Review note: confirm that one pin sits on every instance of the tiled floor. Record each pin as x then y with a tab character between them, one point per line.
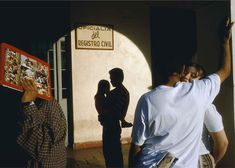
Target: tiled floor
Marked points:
91	158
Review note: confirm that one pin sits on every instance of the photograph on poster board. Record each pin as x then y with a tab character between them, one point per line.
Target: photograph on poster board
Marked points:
11	68
28	68
17	65
41	79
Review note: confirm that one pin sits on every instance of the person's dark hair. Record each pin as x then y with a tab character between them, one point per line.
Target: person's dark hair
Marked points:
199	68
102	86
117	73
167	69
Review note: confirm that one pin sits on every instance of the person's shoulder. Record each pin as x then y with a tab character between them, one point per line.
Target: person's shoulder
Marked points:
212	115
183	84
212	109
121	88
113	91
125	91
213	76
52	100
212	106
53	103
148	94
212	79
117	91
143	98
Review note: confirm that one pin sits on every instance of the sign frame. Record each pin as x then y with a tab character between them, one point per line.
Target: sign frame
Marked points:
96	29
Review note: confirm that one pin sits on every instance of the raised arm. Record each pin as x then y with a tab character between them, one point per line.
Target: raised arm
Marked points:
214	124
225	69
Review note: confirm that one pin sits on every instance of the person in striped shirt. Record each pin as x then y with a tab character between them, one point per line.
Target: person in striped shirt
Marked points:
42	130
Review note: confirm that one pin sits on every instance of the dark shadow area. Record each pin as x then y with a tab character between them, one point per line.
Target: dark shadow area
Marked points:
112	106
32	27
11	155
92	158
173	38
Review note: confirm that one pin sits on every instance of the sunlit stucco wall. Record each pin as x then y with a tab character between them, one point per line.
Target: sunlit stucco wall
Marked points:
131	53
208	54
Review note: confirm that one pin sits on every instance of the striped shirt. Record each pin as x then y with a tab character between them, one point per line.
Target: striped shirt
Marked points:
42	135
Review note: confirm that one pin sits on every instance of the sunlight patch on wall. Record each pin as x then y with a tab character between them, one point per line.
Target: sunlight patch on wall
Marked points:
90	66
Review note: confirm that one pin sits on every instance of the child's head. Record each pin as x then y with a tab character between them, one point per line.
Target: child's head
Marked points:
103	86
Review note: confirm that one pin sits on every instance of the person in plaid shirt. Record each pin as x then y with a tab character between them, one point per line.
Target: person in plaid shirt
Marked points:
42	130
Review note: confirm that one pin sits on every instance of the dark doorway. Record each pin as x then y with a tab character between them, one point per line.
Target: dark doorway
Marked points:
32	27
173	37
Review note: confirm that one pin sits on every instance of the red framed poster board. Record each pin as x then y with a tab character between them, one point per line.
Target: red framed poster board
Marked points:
16	64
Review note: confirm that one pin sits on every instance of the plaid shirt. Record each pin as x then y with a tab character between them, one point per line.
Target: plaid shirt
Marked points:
42	135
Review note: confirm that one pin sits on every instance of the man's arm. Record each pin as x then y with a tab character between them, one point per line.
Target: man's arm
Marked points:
220	145
134	149
225	68
139	133
214	124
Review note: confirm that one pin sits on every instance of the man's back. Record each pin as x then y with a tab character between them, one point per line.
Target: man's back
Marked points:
171	118
118	101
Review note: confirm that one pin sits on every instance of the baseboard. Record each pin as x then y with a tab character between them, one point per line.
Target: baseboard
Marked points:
96	144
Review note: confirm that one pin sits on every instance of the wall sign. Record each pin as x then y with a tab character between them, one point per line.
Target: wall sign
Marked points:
91	36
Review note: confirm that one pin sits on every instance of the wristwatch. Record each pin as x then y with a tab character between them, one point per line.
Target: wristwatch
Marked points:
28	103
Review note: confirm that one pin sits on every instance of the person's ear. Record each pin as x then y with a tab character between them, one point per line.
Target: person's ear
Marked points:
175	74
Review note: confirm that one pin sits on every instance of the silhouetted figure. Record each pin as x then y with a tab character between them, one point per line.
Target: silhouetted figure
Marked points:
101	99
103	115
118	101
119	97
112	108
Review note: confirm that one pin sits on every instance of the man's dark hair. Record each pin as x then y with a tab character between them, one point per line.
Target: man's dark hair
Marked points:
167	69
117	73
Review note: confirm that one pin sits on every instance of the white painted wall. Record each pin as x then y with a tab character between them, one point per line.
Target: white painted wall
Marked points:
90	66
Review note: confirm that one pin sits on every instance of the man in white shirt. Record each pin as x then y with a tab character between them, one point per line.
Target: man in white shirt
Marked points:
170	117
212	123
